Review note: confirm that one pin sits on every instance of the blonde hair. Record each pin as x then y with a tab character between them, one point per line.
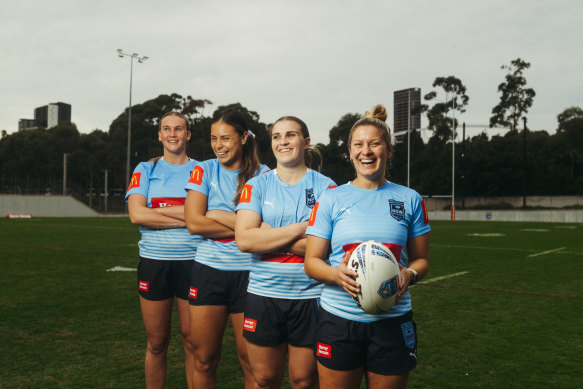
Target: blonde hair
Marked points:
377	117
311	150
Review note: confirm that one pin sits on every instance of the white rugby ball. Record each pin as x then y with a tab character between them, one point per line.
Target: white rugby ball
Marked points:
378	275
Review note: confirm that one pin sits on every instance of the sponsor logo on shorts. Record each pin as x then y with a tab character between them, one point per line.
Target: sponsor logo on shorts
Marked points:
193	293
196	176
135	181
324	350
144	286
249	325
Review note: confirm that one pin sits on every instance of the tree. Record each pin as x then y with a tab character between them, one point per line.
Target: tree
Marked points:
455	99
515	98
336	161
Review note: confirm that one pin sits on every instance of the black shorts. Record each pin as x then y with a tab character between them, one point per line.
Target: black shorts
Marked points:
161	280
271	321
209	286
387	347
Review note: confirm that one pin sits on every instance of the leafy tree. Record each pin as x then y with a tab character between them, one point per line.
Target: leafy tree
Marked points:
454	99
570	140
515	98
336	160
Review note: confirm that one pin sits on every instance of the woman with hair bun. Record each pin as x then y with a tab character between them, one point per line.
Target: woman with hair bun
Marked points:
156	202
350	342
281	313
220	273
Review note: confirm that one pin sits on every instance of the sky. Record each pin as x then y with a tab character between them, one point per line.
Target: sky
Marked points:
317	60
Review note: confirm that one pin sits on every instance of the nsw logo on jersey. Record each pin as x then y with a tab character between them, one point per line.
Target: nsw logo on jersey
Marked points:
397	209
310	198
135	181
246	194
196	175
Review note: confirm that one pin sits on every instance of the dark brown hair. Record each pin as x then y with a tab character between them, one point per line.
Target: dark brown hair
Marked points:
250	161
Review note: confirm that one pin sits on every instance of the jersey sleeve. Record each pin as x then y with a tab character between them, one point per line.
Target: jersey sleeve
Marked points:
419	219
199	179
263	169
320	222
140	181
251	196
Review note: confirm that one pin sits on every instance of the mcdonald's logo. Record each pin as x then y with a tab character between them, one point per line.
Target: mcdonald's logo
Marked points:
246	194
135	181
313	215
196	176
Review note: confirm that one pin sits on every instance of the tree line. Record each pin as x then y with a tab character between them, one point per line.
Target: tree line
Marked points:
32	161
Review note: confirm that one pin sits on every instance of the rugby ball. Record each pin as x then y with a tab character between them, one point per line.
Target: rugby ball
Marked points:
378	274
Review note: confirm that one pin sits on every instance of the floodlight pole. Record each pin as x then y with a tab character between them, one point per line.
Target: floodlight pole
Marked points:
121	54
408	136
453	159
524	165
65	173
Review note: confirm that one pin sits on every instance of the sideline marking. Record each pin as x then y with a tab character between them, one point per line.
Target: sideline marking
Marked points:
504	292
119	268
461	273
534	229
546	252
487	234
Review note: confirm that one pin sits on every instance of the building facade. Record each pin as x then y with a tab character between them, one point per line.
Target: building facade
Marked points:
52	114
403	103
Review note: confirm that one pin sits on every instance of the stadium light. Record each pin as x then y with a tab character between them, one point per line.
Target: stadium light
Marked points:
121	54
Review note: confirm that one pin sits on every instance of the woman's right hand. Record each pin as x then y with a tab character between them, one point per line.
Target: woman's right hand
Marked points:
346	277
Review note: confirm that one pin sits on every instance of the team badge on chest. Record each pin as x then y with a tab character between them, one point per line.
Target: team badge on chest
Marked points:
397	209
310	199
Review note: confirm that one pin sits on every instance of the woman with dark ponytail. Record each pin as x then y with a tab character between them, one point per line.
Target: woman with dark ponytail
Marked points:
220	274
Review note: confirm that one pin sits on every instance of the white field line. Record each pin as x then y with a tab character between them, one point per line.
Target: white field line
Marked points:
461	273
120	268
546	252
453	246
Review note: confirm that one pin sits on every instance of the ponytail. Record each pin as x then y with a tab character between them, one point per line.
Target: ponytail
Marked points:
250	161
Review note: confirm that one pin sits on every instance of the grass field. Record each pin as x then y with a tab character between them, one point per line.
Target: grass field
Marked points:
501	307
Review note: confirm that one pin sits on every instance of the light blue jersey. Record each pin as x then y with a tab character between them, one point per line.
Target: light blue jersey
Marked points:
219	185
348	215
163	186
281	274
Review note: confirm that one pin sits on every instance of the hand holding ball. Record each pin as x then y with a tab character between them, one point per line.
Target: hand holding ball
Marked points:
378	275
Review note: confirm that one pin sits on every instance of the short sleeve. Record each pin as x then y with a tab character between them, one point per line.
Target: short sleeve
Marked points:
251	196
419	219
199	179
320	222
140	181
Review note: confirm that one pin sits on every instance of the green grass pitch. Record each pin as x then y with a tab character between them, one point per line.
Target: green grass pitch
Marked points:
502	306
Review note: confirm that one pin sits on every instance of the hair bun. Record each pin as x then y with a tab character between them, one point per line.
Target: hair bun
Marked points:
378	112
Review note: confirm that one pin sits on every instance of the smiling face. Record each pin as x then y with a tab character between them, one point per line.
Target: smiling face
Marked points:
173	134
288	143
369	153
227	145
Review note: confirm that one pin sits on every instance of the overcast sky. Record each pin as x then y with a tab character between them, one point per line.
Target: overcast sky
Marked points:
314	59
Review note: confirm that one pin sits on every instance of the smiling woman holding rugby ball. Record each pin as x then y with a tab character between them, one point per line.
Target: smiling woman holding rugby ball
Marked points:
350	342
